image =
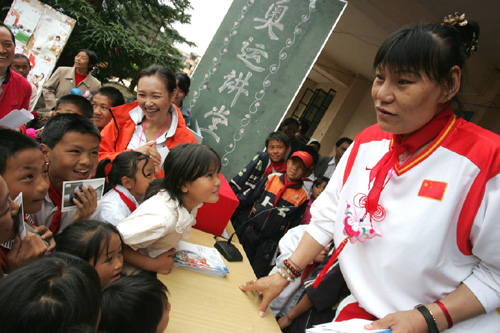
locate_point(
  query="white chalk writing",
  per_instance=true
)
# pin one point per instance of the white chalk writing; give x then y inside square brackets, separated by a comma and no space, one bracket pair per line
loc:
[272,19]
[235,84]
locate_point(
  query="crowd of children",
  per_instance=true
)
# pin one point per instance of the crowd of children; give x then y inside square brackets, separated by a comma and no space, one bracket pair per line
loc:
[107,250]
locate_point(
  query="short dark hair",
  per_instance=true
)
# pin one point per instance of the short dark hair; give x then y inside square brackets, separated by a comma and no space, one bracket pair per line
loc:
[124,164]
[84,239]
[50,294]
[22,56]
[184,82]
[163,73]
[64,123]
[113,94]
[11,143]
[342,140]
[186,163]
[304,126]
[290,121]
[133,304]
[11,34]
[427,48]
[92,57]
[320,180]
[79,101]
[278,136]
[315,142]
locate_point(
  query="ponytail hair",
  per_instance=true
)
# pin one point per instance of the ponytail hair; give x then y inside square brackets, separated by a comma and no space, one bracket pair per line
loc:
[125,164]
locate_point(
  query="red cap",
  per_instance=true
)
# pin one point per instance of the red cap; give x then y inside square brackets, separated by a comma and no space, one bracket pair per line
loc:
[305,157]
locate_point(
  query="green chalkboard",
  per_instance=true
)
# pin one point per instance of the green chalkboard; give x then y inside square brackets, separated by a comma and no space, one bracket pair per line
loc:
[254,66]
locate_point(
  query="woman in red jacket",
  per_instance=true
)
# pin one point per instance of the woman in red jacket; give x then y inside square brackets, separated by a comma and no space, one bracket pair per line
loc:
[152,125]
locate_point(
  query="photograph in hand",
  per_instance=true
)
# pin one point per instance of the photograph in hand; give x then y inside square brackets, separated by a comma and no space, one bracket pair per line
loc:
[70,189]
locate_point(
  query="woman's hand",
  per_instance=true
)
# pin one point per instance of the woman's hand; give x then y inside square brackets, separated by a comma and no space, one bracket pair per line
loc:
[87,203]
[410,321]
[23,251]
[269,287]
[46,235]
[150,150]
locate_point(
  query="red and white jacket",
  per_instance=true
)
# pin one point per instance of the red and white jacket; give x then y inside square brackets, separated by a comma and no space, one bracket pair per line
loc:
[440,229]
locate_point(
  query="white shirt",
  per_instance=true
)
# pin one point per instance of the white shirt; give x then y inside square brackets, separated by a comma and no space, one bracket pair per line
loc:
[157,225]
[137,115]
[45,215]
[113,208]
[330,169]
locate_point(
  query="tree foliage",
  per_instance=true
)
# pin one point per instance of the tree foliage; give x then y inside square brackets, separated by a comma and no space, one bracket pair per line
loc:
[127,35]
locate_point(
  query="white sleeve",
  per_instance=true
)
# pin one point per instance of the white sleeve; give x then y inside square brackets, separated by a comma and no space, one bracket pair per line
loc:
[324,208]
[148,223]
[484,281]
[111,211]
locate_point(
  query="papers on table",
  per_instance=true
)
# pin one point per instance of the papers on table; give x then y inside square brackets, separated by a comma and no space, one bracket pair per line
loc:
[199,258]
[348,326]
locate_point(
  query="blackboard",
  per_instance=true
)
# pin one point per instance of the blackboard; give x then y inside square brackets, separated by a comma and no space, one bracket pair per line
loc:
[253,68]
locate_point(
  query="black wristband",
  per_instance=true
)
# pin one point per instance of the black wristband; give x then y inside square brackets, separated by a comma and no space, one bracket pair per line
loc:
[429,318]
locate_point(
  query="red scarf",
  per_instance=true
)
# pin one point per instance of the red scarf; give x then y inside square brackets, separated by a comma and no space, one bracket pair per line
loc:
[416,140]
[56,197]
[283,189]
[130,204]
[379,172]
[279,167]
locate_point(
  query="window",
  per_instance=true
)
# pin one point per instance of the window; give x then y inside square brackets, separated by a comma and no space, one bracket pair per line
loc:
[312,107]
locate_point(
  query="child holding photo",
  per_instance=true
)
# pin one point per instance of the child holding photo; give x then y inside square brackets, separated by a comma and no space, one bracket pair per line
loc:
[70,144]
[153,230]
[129,177]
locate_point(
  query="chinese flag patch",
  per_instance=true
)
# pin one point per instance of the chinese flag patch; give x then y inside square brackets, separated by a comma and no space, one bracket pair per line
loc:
[432,189]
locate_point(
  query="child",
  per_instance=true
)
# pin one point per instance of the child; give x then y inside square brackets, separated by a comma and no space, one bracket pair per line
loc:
[318,187]
[23,168]
[136,303]
[277,204]
[102,101]
[263,164]
[183,84]
[22,65]
[74,104]
[317,305]
[52,294]
[70,144]
[153,230]
[291,294]
[98,243]
[130,174]
[290,126]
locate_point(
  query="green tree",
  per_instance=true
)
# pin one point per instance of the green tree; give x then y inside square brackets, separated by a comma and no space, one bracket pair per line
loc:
[127,35]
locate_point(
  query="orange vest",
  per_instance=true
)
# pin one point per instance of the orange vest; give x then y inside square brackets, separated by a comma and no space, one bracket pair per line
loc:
[114,142]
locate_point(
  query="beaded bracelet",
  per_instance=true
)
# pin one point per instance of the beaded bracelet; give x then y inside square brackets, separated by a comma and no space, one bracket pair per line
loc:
[294,270]
[298,267]
[429,318]
[288,278]
[446,313]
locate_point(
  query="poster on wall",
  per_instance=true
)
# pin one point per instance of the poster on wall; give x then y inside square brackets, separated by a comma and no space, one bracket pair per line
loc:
[41,33]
